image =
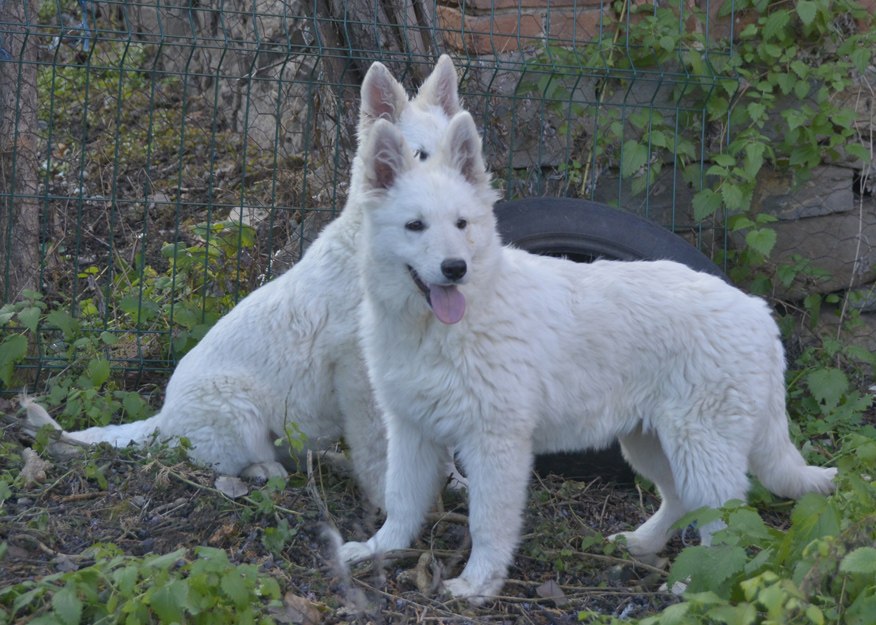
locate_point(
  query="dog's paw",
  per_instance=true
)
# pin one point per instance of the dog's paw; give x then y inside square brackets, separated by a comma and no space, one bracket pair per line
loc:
[475,594]
[635,549]
[461,588]
[353,552]
[263,471]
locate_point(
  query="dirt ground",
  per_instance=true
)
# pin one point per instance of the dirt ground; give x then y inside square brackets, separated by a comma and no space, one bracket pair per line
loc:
[156,502]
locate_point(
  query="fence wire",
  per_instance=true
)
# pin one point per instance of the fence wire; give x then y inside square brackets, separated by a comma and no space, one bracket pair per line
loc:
[164,158]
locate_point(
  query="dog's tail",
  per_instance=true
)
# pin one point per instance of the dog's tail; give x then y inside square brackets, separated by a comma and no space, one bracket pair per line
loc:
[780,467]
[138,432]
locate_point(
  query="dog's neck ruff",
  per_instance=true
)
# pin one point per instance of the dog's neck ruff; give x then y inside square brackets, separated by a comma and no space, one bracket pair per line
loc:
[445,300]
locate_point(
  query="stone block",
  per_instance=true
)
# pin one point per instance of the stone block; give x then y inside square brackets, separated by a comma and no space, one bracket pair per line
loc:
[842,244]
[829,190]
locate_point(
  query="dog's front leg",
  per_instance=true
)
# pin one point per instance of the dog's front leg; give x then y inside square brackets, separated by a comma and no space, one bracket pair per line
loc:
[498,470]
[414,475]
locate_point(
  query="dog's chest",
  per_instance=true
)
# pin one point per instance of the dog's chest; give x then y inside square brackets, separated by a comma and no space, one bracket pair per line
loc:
[445,382]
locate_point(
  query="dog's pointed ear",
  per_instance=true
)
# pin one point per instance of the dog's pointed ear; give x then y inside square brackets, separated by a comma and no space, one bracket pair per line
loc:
[386,156]
[382,98]
[440,88]
[462,149]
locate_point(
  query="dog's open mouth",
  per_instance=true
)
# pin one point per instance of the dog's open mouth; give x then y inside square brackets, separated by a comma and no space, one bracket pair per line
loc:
[446,301]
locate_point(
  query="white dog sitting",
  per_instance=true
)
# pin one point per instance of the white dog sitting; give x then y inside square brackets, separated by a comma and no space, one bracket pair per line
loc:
[501,354]
[288,352]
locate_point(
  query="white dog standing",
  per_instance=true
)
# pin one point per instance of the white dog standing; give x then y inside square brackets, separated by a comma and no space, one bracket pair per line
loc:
[289,351]
[501,354]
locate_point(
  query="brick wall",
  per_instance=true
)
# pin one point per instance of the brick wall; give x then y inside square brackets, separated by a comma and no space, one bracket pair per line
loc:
[496,26]
[478,27]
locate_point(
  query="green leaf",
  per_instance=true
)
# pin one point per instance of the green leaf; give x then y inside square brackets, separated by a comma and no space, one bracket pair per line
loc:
[756,110]
[64,321]
[862,609]
[724,160]
[733,197]
[166,560]
[98,371]
[753,158]
[800,68]
[742,614]
[815,615]
[844,118]
[749,31]
[12,350]
[795,118]
[134,405]
[635,155]
[705,204]
[234,585]
[658,138]
[806,10]
[858,151]
[740,222]
[667,42]
[30,317]
[828,386]
[775,23]
[46,619]
[168,599]
[786,82]
[861,58]
[67,606]
[861,560]
[801,89]
[5,492]
[126,579]
[748,523]
[761,240]
[675,615]
[814,516]
[707,567]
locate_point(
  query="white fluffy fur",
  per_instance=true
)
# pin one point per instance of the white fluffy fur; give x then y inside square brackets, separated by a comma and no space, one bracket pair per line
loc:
[551,355]
[289,351]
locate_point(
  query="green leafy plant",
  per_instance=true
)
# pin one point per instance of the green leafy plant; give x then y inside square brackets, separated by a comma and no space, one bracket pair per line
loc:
[165,589]
[766,100]
[82,341]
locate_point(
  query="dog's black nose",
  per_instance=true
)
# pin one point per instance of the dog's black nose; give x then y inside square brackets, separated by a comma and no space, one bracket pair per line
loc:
[453,268]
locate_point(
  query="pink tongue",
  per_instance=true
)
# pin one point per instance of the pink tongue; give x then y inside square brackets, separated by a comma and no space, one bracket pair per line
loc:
[448,303]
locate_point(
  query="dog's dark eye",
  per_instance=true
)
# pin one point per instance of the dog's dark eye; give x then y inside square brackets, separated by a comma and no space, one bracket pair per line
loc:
[461,224]
[415,226]
[421,154]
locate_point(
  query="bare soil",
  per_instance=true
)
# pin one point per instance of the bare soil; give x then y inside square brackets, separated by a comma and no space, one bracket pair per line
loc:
[154,501]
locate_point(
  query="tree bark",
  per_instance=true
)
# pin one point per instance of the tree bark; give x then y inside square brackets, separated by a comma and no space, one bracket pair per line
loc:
[19,208]
[398,33]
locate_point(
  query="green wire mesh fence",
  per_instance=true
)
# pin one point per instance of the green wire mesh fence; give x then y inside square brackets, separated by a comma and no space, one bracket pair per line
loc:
[163,158]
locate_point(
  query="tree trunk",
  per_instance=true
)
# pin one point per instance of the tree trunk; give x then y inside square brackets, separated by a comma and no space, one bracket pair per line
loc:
[355,33]
[19,208]
[398,33]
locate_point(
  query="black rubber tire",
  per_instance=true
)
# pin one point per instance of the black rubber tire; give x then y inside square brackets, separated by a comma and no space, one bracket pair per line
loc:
[583,231]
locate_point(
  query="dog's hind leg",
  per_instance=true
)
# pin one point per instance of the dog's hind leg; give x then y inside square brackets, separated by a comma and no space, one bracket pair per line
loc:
[645,454]
[708,459]
[225,420]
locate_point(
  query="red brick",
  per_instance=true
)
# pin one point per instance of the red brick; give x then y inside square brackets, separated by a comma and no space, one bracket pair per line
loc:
[490,34]
[486,6]
[578,26]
